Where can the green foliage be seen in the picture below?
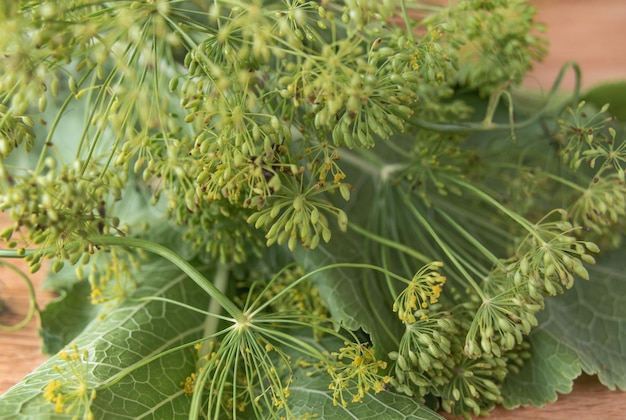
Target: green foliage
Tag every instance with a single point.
(364, 215)
(66, 317)
(610, 92)
(577, 333)
(385, 405)
(120, 342)
(551, 369)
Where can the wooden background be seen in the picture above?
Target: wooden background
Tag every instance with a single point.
(589, 32)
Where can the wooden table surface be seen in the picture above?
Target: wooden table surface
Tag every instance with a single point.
(589, 32)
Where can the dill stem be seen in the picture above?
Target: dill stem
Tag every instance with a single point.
(211, 323)
(446, 250)
(407, 21)
(384, 241)
(520, 220)
(362, 266)
(211, 289)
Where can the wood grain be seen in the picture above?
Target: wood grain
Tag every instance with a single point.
(19, 350)
(590, 33)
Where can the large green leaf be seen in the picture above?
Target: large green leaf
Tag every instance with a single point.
(591, 320)
(580, 330)
(551, 369)
(119, 344)
(315, 400)
(310, 396)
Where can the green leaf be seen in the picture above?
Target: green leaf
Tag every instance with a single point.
(613, 93)
(580, 330)
(356, 298)
(66, 317)
(311, 398)
(591, 320)
(316, 401)
(119, 344)
(552, 368)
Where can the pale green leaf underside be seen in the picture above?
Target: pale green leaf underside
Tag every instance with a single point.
(120, 342)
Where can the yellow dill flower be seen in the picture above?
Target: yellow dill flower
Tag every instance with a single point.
(358, 377)
(189, 384)
(71, 394)
(423, 290)
(111, 275)
(96, 296)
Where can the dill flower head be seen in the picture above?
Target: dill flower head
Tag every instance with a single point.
(500, 323)
(580, 130)
(60, 206)
(225, 378)
(70, 391)
(600, 207)
(496, 45)
(354, 371)
(425, 348)
(473, 385)
(110, 274)
(188, 384)
(424, 289)
(551, 256)
(15, 131)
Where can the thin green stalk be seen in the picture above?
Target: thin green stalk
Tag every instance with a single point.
(564, 181)
(211, 323)
(55, 123)
(523, 222)
(384, 241)
(471, 263)
(385, 260)
(198, 392)
(468, 237)
(321, 269)
(446, 250)
(213, 291)
(478, 218)
(407, 22)
(290, 341)
(267, 287)
(32, 302)
(100, 98)
(182, 305)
